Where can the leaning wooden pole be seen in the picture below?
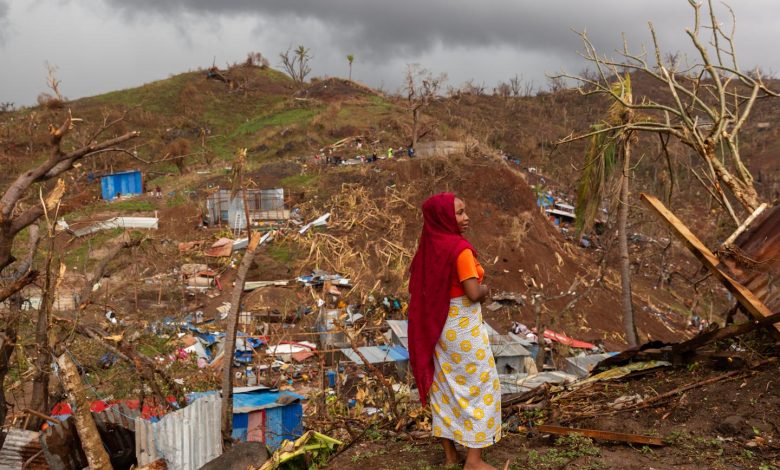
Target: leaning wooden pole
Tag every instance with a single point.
(230, 338)
(85, 425)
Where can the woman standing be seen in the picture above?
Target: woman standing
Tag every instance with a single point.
(449, 346)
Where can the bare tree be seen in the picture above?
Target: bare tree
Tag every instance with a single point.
(54, 99)
(706, 106)
(503, 89)
(17, 212)
(515, 85)
(178, 150)
(296, 63)
(421, 89)
(256, 59)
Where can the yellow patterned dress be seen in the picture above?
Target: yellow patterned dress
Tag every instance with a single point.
(466, 394)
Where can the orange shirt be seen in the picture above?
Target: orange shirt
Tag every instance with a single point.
(467, 267)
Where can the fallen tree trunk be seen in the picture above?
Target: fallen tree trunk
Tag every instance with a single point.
(85, 424)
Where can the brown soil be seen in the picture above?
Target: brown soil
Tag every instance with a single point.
(516, 244)
(725, 425)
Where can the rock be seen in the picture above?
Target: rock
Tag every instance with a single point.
(241, 455)
(734, 426)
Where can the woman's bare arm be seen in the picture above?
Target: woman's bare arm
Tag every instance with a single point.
(474, 291)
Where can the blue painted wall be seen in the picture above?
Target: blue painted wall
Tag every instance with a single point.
(128, 182)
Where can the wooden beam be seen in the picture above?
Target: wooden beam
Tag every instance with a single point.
(749, 301)
(603, 435)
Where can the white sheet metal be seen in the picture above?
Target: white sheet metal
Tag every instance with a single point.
(122, 222)
(187, 439)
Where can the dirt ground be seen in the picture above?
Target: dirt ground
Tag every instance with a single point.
(730, 424)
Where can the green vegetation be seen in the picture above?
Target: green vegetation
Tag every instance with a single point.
(284, 118)
(368, 455)
(132, 205)
(78, 257)
(280, 253)
(179, 199)
(568, 449)
(299, 181)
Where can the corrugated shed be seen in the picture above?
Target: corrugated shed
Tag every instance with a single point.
(22, 447)
(267, 416)
(187, 439)
(127, 182)
(264, 204)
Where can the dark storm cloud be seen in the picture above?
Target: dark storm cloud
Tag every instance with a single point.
(387, 29)
(3, 20)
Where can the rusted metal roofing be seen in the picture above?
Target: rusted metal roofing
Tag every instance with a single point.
(21, 448)
(187, 439)
(754, 258)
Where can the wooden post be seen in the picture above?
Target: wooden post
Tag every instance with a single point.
(85, 425)
(747, 299)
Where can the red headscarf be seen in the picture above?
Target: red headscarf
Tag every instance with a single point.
(429, 285)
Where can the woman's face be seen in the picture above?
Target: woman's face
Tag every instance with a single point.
(460, 215)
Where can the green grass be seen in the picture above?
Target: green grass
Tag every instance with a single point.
(161, 96)
(133, 206)
(299, 181)
(284, 118)
(280, 253)
(78, 257)
(567, 449)
(179, 199)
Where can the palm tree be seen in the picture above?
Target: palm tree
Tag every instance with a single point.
(350, 59)
(610, 146)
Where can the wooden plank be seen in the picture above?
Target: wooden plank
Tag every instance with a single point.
(603, 435)
(749, 301)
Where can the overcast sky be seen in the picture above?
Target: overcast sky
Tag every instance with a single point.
(104, 45)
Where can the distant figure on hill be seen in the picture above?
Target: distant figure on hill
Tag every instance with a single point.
(390, 152)
(158, 191)
(410, 151)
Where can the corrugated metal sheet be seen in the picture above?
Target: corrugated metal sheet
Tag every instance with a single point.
(377, 354)
(128, 182)
(262, 399)
(19, 447)
(270, 425)
(754, 259)
(121, 222)
(506, 346)
(282, 423)
(400, 329)
(187, 439)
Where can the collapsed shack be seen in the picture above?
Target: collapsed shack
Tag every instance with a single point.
(265, 206)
